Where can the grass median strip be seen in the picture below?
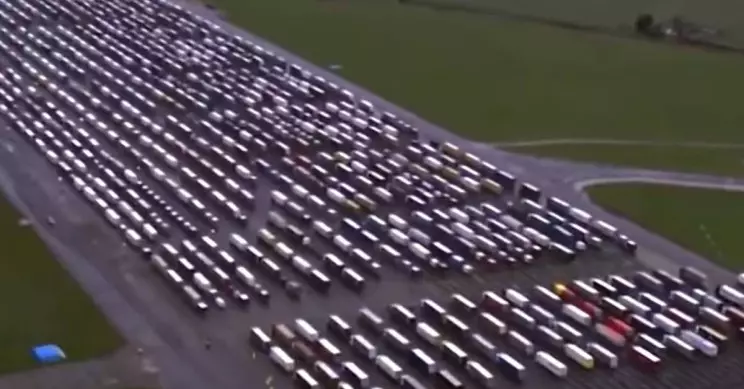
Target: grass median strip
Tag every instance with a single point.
(697, 159)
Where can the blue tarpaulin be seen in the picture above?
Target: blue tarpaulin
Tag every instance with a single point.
(48, 353)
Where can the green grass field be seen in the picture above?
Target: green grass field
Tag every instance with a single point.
(497, 80)
(724, 161)
(703, 220)
(724, 15)
(41, 303)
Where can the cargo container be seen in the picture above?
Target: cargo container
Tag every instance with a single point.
(684, 301)
(731, 295)
(480, 374)
(704, 346)
(353, 280)
(693, 277)
(684, 320)
(602, 355)
(303, 353)
(634, 305)
(520, 342)
(651, 344)
(577, 315)
(604, 287)
(328, 350)
(401, 315)
(522, 320)
(408, 382)
(714, 336)
(679, 347)
(516, 298)
(389, 368)
(456, 327)
(260, 340)
(736, 315)
(610, 336)
(491, 186)
(370, 321)
(446, 380)
(605, 229)
(541, 315)
(551, 364)
(282, 335)
(355, 375)
(428, 334)
(585, 291)
(483, 346)
(579, 215)
(319, 281)
(645, 360)
(566, 294)
(548, 338)
(510, 367)
(363, 346)
(708, 300)
(326, 375)
(463, 305)
(282, 359)
(547, 298)
(339, 327)
(305, 380)
(592, 310)
(568, 332)
(578, 355)
(422, 362)
(432, 310)
(453, 354)
(620, 327)
(649, 283)
(494, 303)
(668, 325)
(670, 281)
(622, 285)
(491, 325)
(613, 307)
(306, 330)
(529, 191)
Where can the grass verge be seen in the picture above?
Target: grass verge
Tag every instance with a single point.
(42, 303)
(703, 220)
(722, 161)
(497, 80)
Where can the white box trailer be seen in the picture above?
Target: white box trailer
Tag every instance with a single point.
(363, 346)
(391, 369)
(516, 298)
(480, 374)
(306, 330)
(579, 355)
(602, 355)
(282, 359)
(246, 277)
(551, 364)
(428, 334)
(359, 378)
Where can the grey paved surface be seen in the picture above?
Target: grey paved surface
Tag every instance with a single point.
(171, 337)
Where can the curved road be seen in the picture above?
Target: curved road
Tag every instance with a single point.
(617, 142)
